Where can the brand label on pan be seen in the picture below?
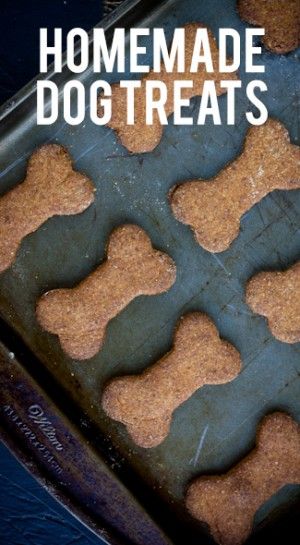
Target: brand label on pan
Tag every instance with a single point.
(36, 413)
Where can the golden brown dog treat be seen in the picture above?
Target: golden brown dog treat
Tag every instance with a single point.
(213, 208)
(228, 502)
(145, 403)
(79, 316)
(276, 295)
(280, 18)
(51, 187)
(140, 137)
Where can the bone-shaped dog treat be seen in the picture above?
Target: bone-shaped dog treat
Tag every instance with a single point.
(140, 137)
(213, 208)
(145, 403)
(51, 187)
(276, 295)
(280, 18)
(228, 502)
(79, 316)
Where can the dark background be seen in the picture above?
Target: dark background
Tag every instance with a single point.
(28, 514)
(20, 21)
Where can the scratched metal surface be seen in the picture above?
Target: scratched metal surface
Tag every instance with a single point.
(131, 188)
(30, 515)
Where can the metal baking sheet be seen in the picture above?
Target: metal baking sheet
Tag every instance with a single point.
(134, 188)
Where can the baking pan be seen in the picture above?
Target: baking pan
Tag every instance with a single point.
(126, 493)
